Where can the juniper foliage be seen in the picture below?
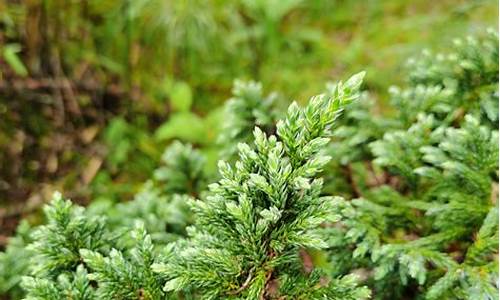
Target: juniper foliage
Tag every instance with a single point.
(126, 275)
(161, 204)
(267, 206)
(74, 257)
(56, 270)
(182, 171)
(246, 109)
(76, 242)
(14, 261)
(421, 222)
(157, 215)
(428, 227)
(469, 72)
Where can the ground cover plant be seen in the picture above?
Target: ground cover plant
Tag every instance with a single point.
(425, 218)
(252, 224)
(84, 85)
(418, 218)
(171, 150)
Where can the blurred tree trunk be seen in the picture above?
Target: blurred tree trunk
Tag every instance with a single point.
(34, 35)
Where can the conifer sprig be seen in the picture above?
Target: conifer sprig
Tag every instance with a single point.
(126, 275)
(265, 207)
(56, 266)
(182, 171)
(57, 244)
(246, 109)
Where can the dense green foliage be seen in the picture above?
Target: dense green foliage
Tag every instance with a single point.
(384, 186)
(266, 207)
(235, 249)
(115, 249)
(14, 261)
(247, 108)
(422, 222)
(427, 212)
(92, 91)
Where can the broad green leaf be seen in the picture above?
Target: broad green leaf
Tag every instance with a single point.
(185, 126)
(181, 97)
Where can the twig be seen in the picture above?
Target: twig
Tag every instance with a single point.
(307, 262)
(494, 193)
(55, 83)
(378, 181)
(264, 290)
(244, 286)
(31, 205)
(350, 178)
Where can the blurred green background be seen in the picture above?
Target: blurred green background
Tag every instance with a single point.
(92, 91)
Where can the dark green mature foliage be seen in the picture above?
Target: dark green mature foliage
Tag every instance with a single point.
(426, 226)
